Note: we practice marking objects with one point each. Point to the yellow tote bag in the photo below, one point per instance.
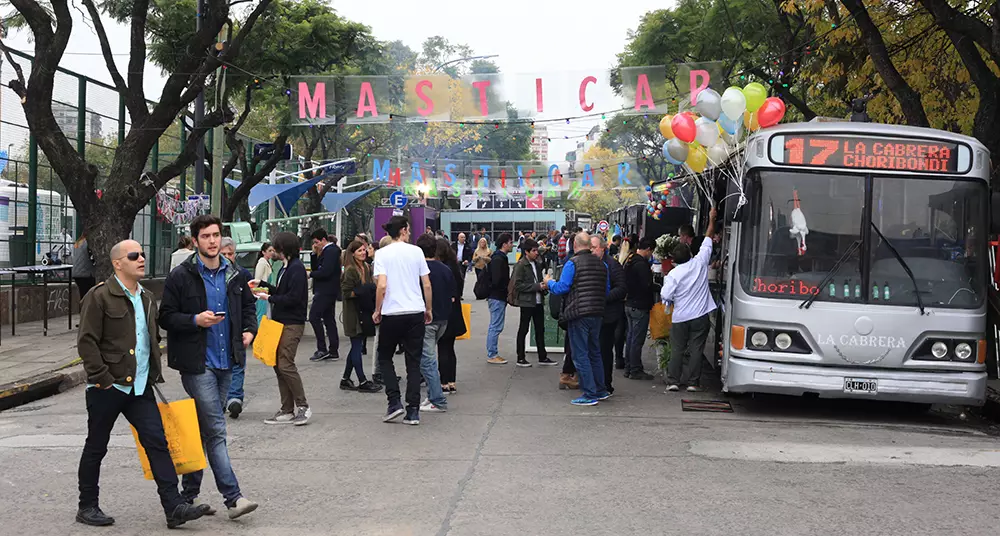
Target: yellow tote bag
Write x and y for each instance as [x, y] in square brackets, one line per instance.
[467, 315]
[265, 344]
[659, 321]
[180, 425]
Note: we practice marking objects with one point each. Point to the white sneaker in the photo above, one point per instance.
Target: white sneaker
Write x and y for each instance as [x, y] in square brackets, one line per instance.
[302, 415]
[673, 388]
[430, 407]
[243, 506]
[280, 418]
[694, 389]
[198, 502]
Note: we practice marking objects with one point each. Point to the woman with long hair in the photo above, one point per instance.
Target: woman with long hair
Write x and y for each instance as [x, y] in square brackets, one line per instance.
[262, 272]
[447, 359]
[83, 266]
[358, 287]
[481, 257]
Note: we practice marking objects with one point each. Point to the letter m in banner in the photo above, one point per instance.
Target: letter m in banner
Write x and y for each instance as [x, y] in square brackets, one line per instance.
[311, 100]
[383, 172]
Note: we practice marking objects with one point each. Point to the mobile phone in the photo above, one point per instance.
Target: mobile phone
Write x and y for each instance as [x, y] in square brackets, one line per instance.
[219, 313]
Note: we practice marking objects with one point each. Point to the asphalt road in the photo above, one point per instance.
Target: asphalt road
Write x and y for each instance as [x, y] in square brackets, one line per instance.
[512, 456]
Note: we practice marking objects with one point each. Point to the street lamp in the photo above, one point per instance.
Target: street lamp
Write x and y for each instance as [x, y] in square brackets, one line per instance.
[438, 68]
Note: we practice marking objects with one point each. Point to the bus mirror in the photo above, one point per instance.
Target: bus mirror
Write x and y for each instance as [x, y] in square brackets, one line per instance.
[995, 213]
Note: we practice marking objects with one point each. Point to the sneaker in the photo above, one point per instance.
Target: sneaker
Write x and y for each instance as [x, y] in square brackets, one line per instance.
[583, 401]
[302, 415]
[185, 512]
[369, 387]
[694, 389]
[94, 517]
[604, 396]
[544, 361]
[318, 356]
[496, 361]
[242, 507]
[280, 418]
[197, 501]
[377, 378]
[672, 388]
[234, 407]
[431, 407]
[627, 374]
[347, 384]
[522, 362]
[333, 355]
[641, 375]
[412, 417]
[393, 413]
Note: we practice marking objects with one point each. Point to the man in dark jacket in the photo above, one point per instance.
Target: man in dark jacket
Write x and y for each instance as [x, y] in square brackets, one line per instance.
[210, 317]
[119, 344]
[614, 312]
[529, 287]
[639, 281]
[326, 291]
[499, 270]
[584, 280]
[464, 252]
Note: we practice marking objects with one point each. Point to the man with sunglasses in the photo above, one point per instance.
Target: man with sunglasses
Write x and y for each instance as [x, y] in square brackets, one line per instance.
[119, 344]
[210, 317]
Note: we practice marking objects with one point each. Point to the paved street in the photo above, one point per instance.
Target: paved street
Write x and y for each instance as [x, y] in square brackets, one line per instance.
[513, 457]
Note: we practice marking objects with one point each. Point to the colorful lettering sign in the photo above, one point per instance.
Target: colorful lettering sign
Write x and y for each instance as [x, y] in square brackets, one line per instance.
[859, 152]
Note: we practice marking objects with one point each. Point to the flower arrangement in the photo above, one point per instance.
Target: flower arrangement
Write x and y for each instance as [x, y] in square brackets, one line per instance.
[665, 245]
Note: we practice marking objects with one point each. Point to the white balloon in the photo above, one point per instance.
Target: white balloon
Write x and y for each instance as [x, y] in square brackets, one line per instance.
[707, 131]
[734, 103]
[708, 104]
[718, 153]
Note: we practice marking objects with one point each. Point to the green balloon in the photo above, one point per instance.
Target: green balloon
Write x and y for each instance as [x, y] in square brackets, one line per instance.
[755, 94]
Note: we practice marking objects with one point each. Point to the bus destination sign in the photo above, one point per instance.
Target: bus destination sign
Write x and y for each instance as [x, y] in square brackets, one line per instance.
[860, 152]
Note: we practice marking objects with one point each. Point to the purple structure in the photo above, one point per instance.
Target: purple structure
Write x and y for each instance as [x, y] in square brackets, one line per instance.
[420, 219]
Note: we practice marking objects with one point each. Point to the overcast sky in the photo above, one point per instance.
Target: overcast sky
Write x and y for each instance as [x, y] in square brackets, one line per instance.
[551, 38]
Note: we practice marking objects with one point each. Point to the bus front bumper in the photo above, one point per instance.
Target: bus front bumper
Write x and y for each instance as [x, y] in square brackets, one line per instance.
[751, 376]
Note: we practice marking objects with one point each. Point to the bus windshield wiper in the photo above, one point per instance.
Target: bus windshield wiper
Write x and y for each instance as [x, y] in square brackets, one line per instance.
[906, 267]
[833, 271]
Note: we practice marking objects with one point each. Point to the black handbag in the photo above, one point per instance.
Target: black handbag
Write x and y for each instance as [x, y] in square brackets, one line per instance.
[456, 322]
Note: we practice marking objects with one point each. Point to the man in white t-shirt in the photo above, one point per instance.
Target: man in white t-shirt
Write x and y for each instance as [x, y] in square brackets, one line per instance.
[402, 311]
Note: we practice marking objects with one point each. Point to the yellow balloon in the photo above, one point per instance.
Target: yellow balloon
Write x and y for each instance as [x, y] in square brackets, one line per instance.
[665, 128]
[750, 121]
[697, 159]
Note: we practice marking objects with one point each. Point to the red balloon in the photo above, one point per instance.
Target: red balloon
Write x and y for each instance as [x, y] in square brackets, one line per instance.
[683, 127]
[771, 112]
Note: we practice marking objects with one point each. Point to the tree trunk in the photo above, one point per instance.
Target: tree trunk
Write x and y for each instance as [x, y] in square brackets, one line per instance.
[108, 223]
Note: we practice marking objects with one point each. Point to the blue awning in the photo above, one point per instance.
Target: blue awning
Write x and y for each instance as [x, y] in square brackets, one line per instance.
[287, 194]
[334, 202]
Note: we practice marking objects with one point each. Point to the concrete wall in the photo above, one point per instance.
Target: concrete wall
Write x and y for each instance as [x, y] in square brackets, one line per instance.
[58, 298]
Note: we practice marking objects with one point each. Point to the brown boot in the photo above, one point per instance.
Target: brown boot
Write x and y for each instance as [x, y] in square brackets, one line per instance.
[574, 382]
[568, 381]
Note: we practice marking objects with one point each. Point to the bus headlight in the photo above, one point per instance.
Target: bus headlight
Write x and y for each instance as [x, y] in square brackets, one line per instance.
[939, 350]
[759, 339]
[963, 352]
[783, 341]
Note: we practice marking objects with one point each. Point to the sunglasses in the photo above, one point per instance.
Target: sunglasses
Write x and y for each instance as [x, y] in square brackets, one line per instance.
[134, 256]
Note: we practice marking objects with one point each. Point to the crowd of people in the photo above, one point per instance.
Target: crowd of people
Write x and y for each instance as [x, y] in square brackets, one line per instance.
[409, 294]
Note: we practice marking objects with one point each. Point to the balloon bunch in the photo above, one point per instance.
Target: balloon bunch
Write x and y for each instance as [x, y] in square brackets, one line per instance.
[657, 200]
[701, 142]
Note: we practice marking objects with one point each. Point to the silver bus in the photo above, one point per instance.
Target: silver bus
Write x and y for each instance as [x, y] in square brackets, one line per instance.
[858, 266]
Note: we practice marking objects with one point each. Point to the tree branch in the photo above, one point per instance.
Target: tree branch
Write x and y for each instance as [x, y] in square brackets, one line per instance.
[137, 62]
[951, 19]
[190, 150]
[250, 180]
[21, 87]
[109, 59]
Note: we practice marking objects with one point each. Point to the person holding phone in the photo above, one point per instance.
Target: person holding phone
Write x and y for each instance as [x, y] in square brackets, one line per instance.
[210, 318]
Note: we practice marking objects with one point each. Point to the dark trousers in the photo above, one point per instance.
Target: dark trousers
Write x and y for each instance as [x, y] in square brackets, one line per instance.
[609, 333]
[324, 314]
[447, 359]
[621, 329]
[408, 331]
[355, 363]
[568, 366]
[84, 284]
[103, 408]
[687, 351]
[638, 325]
[534, 314]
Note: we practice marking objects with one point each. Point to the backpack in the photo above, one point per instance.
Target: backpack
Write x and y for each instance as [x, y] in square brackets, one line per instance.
[512, 286]
[555, 302]
[483, 282]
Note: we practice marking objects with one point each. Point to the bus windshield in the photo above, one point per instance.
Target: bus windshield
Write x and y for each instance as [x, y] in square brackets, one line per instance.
[800, 224]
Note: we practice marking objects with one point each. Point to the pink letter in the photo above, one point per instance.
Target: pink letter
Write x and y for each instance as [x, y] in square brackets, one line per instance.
[538, 94]
[366, 94]
[641, 89]
[583, 93]
[481, 85]
[315, 103]
[698, 88]
[429, 109]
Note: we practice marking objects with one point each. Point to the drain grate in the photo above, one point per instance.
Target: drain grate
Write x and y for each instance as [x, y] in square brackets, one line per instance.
[713, 406]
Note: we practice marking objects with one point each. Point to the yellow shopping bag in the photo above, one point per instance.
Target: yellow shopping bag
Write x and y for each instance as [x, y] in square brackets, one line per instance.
[467, 315]
[659, 322]
[265, 344]
[180, 425]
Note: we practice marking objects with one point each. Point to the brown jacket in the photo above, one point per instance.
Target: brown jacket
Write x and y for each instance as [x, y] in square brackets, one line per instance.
[106, 340]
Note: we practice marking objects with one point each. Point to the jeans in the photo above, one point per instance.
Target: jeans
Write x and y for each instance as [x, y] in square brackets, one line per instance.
[585, 339]
[638, 325]
[324, 314]
[687, 351]
[608, 332]
[534, 314]
[103, 408]
[239, 375]
[498, 314]
[407, 330]
[209, 390]
[355, 362]
[429, 363]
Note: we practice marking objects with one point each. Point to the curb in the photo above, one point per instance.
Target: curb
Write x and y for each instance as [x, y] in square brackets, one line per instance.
[42, 385]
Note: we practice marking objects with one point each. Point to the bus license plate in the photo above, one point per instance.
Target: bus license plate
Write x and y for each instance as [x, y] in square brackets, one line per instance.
[861, 385]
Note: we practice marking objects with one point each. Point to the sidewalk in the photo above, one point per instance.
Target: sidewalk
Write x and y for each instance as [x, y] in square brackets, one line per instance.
[34, 366]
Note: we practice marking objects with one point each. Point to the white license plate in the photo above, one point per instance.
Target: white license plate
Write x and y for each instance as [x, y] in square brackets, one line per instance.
[868, 386]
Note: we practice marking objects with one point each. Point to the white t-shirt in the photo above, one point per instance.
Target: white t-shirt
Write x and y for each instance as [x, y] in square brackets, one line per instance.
[402, 265]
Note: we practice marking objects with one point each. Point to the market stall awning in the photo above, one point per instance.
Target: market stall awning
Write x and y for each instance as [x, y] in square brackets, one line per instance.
[334, 202]
[287, 194]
